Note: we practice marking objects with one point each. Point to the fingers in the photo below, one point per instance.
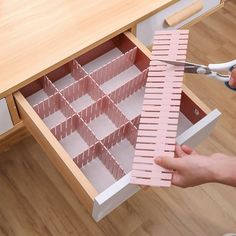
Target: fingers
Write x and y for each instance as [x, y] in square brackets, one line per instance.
[183, 150]
[232, 81]
[188, 150]
[177, 180]
[169, 162]
[179, 152]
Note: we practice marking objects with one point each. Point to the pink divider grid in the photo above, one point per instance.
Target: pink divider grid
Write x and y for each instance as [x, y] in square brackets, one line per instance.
[99, 151]
[159, 118]
[115, 67]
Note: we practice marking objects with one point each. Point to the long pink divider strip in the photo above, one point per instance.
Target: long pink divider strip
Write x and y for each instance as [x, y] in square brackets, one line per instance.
[115, 67]
[160, 112]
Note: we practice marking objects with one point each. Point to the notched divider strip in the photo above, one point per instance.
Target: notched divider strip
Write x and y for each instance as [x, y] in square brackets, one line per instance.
[115, 67]
[159, 118]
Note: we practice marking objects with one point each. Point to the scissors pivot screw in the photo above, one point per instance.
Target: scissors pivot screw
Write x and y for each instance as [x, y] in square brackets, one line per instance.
[201, 70]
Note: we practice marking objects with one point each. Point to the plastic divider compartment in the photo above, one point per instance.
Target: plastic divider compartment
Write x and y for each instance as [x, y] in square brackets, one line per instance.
[98, 158]
[74, 135]
[105, 53]
[82, 93]
[117, 72]
[129, 97]
[67, 74]
[39, 90]
[103, 117]
[54, 110]
[121, 144]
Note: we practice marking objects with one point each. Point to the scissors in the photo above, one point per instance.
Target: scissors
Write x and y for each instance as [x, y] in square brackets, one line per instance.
[212, 70]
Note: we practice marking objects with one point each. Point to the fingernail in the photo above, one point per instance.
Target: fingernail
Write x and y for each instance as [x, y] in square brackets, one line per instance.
[157, 160]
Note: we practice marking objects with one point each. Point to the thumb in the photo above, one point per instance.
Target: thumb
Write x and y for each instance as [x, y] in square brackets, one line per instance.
[169, 163]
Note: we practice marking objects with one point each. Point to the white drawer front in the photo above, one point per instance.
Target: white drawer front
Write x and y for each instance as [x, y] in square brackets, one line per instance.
[113, 196]
[5, 118]
[199, 131]
[146, 28]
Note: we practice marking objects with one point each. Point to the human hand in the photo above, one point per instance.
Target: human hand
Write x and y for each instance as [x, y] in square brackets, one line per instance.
[232, 81]
[191, 169]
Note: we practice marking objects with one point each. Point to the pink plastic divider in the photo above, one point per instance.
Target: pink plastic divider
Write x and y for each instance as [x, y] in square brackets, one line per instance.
[72, 124]
[103, 105]
[129, 88]
[115, 67]
[99, 151]
[136, 121]
[67, 74]
[127, 131]
[159, 118]
[79, 88]
[49, 87]
[52, 104]
[77, 71]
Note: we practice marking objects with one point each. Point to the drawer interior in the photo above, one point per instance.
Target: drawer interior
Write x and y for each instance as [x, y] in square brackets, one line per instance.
[92, 105]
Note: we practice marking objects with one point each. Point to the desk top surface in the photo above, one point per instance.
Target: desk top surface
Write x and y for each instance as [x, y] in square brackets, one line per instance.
[38, 36]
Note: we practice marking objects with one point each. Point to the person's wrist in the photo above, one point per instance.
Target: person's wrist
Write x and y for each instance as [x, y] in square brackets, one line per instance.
[211, 173]
[219, 174]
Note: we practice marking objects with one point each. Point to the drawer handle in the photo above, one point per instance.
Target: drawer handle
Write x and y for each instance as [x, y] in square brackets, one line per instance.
[184, 13]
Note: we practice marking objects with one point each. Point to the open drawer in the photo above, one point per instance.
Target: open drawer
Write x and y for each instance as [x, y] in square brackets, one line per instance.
[85, 116]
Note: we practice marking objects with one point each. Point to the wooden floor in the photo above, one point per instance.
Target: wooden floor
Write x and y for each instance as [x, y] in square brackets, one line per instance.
[35, 200]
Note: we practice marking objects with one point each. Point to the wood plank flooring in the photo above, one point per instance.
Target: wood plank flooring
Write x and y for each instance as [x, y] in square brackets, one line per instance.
[35, 200]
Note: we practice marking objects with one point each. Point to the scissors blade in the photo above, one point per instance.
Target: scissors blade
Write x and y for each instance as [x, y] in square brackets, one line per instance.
[189, 67]
[178, 63]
